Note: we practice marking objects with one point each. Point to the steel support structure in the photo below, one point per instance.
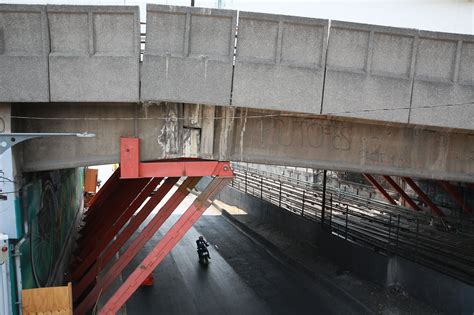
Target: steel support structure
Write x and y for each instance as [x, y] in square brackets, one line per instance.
[90, 278]
[121, 238]
[379, 187]
[451, 190]
[402, 193]
[434, 208]
[164, 246]
[102, 240]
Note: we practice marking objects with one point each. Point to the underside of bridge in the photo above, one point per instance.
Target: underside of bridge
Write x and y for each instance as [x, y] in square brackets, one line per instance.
[171, 130]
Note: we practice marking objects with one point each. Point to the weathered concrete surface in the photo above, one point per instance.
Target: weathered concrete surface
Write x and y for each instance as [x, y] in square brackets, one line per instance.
[94, 53]
[167, 130]
[24, 49]
[188, 55]
[280, 62]
[369, 71]
[444, 75]
[354, 146]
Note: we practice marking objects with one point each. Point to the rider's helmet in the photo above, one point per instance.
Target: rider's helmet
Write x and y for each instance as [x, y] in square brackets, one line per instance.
[201, 238]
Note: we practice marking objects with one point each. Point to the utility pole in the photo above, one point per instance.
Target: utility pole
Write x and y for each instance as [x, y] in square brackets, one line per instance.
[323, 207]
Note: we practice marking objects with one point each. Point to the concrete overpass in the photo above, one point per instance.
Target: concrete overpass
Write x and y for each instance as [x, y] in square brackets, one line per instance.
[283, 90]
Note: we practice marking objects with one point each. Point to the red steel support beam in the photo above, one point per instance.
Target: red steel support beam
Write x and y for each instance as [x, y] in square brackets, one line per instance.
[455, 195]
[401, 192]
[104, 192]
[132, 168]
[123, 237]
[102, 240]
[423, 196]
[145, 235]
[164, 246]
[379, 187]
[117, 211]
[124, 195]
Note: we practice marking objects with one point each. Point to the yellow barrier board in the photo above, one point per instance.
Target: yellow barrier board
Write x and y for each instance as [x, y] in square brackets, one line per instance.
[46, 301]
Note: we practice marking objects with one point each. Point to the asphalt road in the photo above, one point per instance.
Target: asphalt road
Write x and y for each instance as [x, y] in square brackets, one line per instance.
[241, 278]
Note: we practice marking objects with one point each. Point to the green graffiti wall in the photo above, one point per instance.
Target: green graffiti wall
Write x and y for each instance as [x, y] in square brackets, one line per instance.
[51, 203]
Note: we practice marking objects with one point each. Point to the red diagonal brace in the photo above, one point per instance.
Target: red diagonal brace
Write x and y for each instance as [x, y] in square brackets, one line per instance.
[132, 250]
[123, 237]
[132, 168]
[455, 195]
[103, 194]
[423, 196]
[401, 192]
[379, 187]
[164, 246]
[115, 204]
[102, 240]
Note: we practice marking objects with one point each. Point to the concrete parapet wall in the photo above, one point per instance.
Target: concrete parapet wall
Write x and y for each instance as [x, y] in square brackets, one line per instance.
[444, 79]
[24, 49]
[280, 62]
[188, 55]
[295, 64]
[369, 71]
[94, 53]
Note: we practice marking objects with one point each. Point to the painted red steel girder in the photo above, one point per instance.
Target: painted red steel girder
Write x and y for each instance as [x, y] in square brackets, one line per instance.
[104, 193]
[434, 208]
[89, 283]
[164, 246]
[102, 240]
[123, 237]
[402, 193]
[124, 195]
[131, 167]
[379, 187]
[451, 190]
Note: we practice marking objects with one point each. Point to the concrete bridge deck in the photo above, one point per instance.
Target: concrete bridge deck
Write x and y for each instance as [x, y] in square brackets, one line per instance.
[282, 90]
[58, 53]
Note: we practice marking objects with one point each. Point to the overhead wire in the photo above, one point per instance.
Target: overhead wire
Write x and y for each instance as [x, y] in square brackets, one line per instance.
[170, 118]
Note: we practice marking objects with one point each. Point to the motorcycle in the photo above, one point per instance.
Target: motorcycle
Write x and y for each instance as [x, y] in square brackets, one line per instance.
[203, 254]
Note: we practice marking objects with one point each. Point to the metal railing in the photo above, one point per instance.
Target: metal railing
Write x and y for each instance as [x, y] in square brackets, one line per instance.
[444, 244]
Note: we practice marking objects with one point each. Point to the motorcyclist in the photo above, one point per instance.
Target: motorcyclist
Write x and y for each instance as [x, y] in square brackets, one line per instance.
[202, 245]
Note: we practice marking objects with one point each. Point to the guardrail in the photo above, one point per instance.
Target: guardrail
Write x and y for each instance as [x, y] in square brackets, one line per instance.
[444, 244]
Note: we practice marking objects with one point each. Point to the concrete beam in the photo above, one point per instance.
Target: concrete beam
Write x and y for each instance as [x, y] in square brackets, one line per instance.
[247, 135]
[352, 145]
[24, 49]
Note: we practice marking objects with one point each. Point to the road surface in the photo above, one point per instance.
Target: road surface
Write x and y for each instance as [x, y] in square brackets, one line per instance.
[241, 278]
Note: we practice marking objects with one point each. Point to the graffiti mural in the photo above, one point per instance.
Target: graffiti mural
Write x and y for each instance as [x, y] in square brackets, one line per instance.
[51, 204]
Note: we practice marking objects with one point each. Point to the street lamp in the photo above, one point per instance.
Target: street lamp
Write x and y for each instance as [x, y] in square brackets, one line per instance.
[8, 140]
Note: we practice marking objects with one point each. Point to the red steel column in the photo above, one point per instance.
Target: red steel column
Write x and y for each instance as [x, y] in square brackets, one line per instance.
[102, 240]
[379, 187]
[423, 196]
[123, 237]
[455, 195]
[138, 243]
[401, 192]
[164, 246]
